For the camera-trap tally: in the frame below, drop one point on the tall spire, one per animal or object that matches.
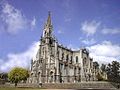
(49, 19)
(48, 26)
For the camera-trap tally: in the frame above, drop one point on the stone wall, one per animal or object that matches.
(83, 85)
(2, 82)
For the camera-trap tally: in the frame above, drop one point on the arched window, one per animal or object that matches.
(31, 74)
(67, 57)
(51, 76)
(58, 54)
(62, 56)
(76, 59)
(75, 72)
(71, 59)
(84, 61)
(43, 51)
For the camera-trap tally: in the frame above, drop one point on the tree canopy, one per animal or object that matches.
(17, 74)
(103, 67)
(113, 71)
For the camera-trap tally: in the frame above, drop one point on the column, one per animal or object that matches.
(82, 69)
(56, 64)
(63, 72)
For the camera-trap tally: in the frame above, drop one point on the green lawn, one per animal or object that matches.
(13, 88)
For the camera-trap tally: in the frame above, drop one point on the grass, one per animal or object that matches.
(13, 88)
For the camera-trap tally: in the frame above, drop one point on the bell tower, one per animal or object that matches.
(48, 51)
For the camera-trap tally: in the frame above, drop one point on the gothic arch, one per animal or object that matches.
(51, 76)
(76, 59)
(39, 77)
(31, 79)
(39, 73)
(31, 74)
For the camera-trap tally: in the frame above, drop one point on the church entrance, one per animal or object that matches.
(51, 76)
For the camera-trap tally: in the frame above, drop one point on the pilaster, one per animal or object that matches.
(82, 68)
(56, 64)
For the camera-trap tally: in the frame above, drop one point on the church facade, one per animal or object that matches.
(55, 63)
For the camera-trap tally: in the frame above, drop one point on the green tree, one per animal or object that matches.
(18, 74)
(103, 67)
(99, 77)
(113, 72)
(4, 76)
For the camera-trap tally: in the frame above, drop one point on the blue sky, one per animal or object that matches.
(94, 24)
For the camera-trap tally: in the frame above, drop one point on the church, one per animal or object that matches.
(55, 63)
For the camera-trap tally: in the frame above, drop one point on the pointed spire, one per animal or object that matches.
(48, 26)
(49, 19)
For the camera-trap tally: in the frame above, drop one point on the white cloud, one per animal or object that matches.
(110, 31)
(90, 28)
(103, 59)
(89, 41)
(72, 47)
(33, 22)
(105, 52)
(60, 32)
(13, 19)
(19, 59)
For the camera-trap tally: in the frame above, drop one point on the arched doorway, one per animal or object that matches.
(31, 79)
(51, 76)
(39, 77)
